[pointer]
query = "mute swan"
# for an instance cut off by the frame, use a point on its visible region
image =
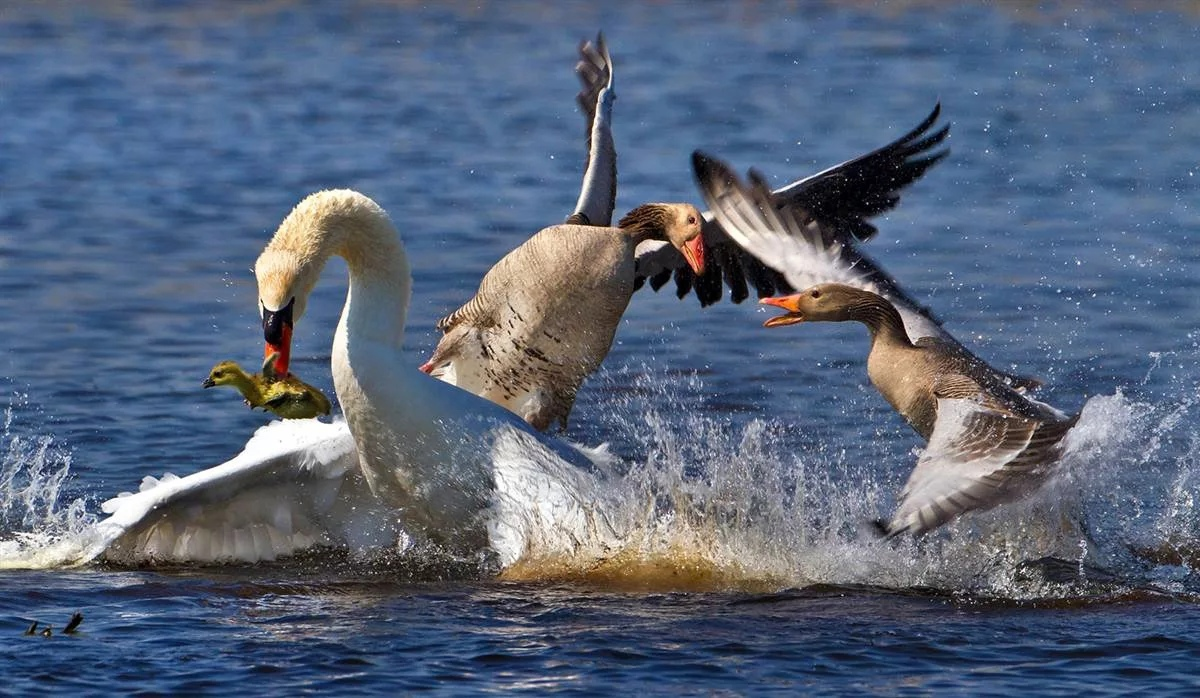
(425, 448)
(987, 442)
(415, 459)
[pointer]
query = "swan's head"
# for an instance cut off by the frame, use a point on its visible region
(283, 286)
(823, 302)
(334, 222)
(679, 224)
(288, 269)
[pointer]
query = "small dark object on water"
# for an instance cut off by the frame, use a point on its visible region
(72, 624)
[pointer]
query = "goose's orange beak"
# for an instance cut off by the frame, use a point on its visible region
(788, 303)
(277, 331)
(693, 252)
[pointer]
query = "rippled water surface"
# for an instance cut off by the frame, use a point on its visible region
(147, 151)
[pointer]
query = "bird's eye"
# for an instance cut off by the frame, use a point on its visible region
(816, 293)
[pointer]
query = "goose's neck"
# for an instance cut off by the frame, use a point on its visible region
(882, 319)
(646, 222)
(246, 385)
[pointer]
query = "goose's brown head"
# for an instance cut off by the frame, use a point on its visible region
(823, 302)
(679, 224)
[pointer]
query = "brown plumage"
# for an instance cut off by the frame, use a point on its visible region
(545, 315)
(988, 443)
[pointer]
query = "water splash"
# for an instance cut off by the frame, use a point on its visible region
(704, 503)
(37, 526)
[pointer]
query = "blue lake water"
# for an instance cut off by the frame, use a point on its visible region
(148, 150)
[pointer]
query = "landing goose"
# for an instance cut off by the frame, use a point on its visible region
(544, 317)
(987, 442)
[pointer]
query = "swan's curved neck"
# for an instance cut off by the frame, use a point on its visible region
(380, 278)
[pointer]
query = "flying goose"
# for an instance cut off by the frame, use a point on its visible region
(988, 443)
(544, 316)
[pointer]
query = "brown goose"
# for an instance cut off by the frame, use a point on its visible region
(545, 316)
(988, 442)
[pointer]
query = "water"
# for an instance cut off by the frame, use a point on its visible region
(148, 150)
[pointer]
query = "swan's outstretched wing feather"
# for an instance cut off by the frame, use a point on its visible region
(839, 200)
(977, 457)
(598, 195)
(295, 485)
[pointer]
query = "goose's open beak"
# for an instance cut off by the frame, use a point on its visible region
(208, 382)
(788, 303)
(277, 331)
(693, 252)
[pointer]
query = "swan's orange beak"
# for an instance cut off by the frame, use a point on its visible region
(788, 303)
(277, 331)
(693, 252)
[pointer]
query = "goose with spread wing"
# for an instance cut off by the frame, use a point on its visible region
(988, 442)
(842, 198)
(545, 316)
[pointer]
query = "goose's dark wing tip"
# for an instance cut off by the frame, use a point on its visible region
(845, 195)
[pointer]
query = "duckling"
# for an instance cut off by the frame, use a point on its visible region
(289, 397)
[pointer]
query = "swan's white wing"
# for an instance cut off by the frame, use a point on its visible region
(598, 195)
(791, 240)
(976, 458)
(295, 485)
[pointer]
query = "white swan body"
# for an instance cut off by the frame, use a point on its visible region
(416, 459)
(424, 447)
